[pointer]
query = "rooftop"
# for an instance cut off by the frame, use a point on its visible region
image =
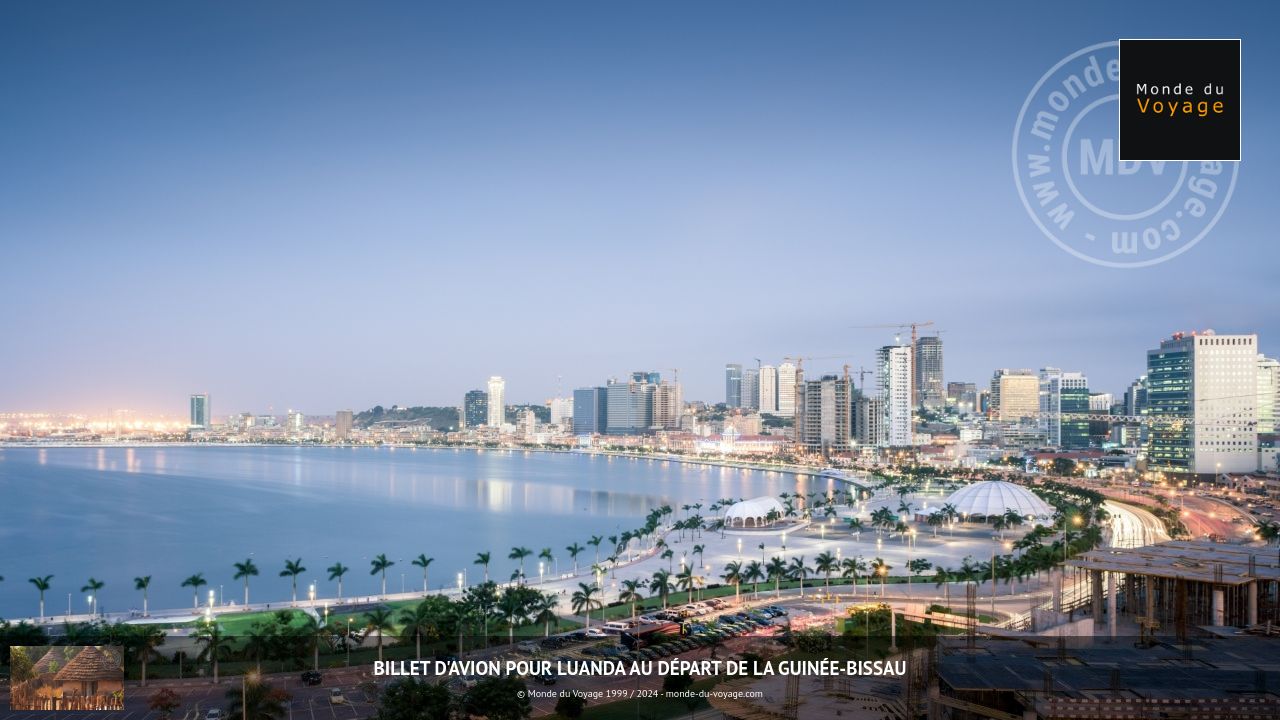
(1200, 560)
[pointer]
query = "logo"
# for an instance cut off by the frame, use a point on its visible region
(1107, 211)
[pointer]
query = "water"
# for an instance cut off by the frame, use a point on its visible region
(170, 512)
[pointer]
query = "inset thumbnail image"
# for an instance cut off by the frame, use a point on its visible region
(67, 677)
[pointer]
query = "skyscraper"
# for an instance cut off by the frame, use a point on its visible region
(590, 410)
(629, 407)
(928, 373)
(963, 395)
(768, 390)
(667, 404)
(868, 422)
(1203, 399)
(1063, 394)
(786, 389)
(201, 416)
(1268, 394)
(497, 402)
(294, 421)
(893, 378)
(342, 421)
(823, 417)
(751, 388)
(561, 411)
(733, 385)
(475, 409)
(1015, 395)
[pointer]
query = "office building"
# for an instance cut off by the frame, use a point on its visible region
(561, 410)
(1015, 395)
(868, 422)
(497, 415)
(928, 373)
(342, 421)
(667, 405)
(768, 390)
(751, 388)
(787, 377)
(590, 408)
(295, 421)
(629, 406)
(1064, 401)
(475, 409)
(894, 383)
(733, 385)
(1101, 402)
(1135, 398)
(1268, 394)
(963, 396)
(201, 416)
(823, 415)
(1203, 400)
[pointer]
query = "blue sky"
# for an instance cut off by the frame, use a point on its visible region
(322, 205)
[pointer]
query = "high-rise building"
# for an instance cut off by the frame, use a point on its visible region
(733, 385)
(787, 378)
(751, 388)
(893, 382)
(667, 405)
(342, 421)
(1268, 394)
(475, 409)
(868, 422)
(963, 396)
(1101, 402)
(295, 421)
(561, 410)
(497, 402)
(1135, 398)
(1203, 400)
(928, 373)
(768, 390)
(629, 407)
(201, 416)
(590, 410)
(1015, 395)
(1064, 399)
(823, 415)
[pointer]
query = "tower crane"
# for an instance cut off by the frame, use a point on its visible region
(915, 327)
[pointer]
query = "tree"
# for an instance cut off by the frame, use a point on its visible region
(733, 575)
(292, 569)
(423, 561)
(825, 563)
(164, 701)
(545, 554)
(42, 584)
(574, 551)
(754, 573)
(244, 571)
(942, 578)
(92, 587)
(145, 639)
(194, 582)
(378, 620)
(595, 542)
(798, 571)
(512, 608)
(584, 601)
(777, 570)
(661, 584)
(336, 571)
(257, 701)
(918, 565)
(379, 564)
(482, 559)
(544, 609)
(415, 699)
(571, 705)
(519, 554)
(498, 698)
(631, 593)
(881, 568)
(140, 583)
(419, 621)
(213, 644)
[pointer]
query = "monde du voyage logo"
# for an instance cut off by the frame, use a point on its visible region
(1174, 181)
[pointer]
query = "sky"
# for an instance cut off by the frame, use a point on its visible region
(328, 205)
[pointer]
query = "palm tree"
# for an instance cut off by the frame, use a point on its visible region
(257, 700)
(669, 556)
(942, 578)
(244, 571)
(798, 571)
(545, 554)
(511, 608)
(698, 550)
(881, 568)
(855, 526)
(575, 550)
(825, 563)
(776, 569)
(733, 574)
(378, 620)
(661, 584)
(92, 587)
(482, 559)
(418, 620)
(595, 542)
(520, 553)
(423, 561)
(194, 582)
(379, 564)
(336, 571)
(42, 584)
(292, 569)
(631, 593)
(146, 638)
(544, 609)
(852, 568)
(685, 581)
(754, 573)
(215, 644)
(139, 583)
(583, 601)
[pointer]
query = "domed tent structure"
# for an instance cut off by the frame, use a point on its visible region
(995, 497)
(754, 513)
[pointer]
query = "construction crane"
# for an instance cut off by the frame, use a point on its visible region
(675, 375)
(911, 360)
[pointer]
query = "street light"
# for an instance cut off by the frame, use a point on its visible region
(249, 677)
(540, 570)
(348, 642)
(311, 592)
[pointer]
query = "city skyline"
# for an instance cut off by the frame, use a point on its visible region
(292, 227)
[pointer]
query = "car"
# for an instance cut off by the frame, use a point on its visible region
(776, 610)
(578, 635)
(528, 647)
(546, 678)
(336, 698)
(213, 714)
(650, 653)
(312, 678)
(596, 633)
(648, 619)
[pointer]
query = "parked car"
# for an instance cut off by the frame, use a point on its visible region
(776, 610)
(312, 678)
(213, 714)
(336, 698)
(528, 646)
(595, 633)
